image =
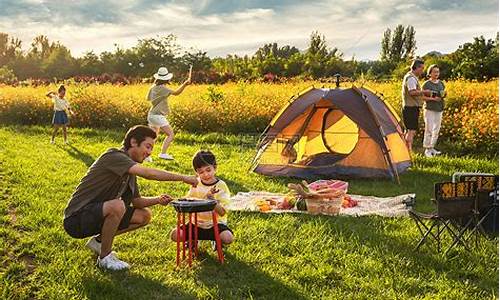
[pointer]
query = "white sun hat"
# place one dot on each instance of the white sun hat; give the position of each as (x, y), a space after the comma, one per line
(163, 74)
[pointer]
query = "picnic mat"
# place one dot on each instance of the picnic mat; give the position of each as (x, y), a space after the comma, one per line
(367, 205)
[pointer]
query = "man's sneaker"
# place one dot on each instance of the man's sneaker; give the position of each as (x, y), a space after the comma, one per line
(165, 156)
(428, 153)
(94, 245)
(436, 152)
(148, 159)
(112, 263)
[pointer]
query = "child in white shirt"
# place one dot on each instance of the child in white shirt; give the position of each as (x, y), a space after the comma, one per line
(60, 118)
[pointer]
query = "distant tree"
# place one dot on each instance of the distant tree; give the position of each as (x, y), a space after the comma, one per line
(317, 45)
(320, 61)
(12, 57)
(240, 68)
(7, 76)
(47, 59)
(108, 61)
(60, 64)
(273, 50)
(410, 43)
(202, 66)
(287, 51)
(266, 51)
(477, 60)
(373, 70)
(41, 48)
(271, 58)
(10, 49)
(4, 45)
(198, 59)
(397, 48)
(386, 45)
(153, 53)
(90, 64)
(294, 65)
(397, 44)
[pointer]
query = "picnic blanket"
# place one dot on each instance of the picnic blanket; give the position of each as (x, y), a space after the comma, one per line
(367, 205)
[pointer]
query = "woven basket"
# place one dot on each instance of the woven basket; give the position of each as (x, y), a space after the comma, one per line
(324, 206)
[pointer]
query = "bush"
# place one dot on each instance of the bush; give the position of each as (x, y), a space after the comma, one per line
(7, 76)
(470, 119)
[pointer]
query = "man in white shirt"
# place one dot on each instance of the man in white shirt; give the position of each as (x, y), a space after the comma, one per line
(413, 97)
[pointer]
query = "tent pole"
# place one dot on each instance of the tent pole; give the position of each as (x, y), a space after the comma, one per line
(298, 135)
(385, 151)
(262, 137)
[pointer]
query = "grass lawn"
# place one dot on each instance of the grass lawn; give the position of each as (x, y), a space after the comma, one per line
(287, 256)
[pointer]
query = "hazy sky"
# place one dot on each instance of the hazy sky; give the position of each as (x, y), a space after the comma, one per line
(223, 27)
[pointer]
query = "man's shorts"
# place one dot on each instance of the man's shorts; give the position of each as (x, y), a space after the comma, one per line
(89, 220)
(410, 117)
(157, 121)
(208, 234)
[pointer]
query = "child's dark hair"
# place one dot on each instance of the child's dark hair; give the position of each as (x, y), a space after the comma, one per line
(61, 88)
(203, 158)
(139, 133)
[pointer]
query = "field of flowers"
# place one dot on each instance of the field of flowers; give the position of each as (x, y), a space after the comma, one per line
(470, 118)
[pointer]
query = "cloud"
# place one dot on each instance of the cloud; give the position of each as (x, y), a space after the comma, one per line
(222, 27)
(60, 13)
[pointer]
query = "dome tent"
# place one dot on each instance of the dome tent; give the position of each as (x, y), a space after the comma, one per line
(333, 133)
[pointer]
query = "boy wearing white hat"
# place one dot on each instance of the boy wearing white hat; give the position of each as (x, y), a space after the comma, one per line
(157, 115)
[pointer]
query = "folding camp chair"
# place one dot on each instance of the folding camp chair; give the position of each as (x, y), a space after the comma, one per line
(485, 213)
(454, 203)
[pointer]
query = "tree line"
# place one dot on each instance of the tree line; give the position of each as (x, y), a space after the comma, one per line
(51, 61)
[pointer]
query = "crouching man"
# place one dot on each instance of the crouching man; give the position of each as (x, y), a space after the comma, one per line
(107, 201)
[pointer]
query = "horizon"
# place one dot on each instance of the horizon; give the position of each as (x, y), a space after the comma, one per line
(223, 28)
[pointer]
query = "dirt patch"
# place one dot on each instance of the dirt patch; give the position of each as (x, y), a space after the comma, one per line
(28, 260)
(12, 214)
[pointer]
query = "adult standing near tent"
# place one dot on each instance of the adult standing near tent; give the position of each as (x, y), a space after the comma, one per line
(433, 110)
(413, 97)
(157, 116)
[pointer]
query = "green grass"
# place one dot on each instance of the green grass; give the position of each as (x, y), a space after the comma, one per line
(287, 256)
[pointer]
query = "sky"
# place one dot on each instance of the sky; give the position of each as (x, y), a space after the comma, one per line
(222, 27)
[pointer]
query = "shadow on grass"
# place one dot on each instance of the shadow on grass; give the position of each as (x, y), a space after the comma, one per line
(389, 241)
(74, 152)
(234, 185)
(243, 141)
(116, 135)
(125, 285)
(236, 279)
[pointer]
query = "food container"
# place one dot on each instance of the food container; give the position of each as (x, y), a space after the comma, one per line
(324, 206)
(334, 184)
